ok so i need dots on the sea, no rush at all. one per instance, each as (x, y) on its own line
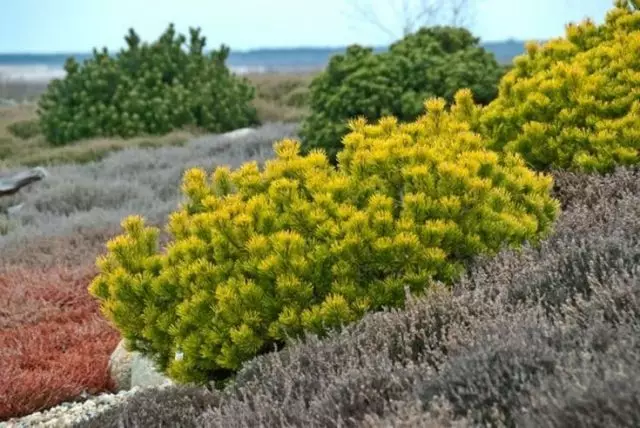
(44, 67)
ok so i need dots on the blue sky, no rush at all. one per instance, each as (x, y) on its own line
(44, 26)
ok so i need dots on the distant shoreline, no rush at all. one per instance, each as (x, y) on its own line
(41, 68)
(21, 74)
(504, 50)
(29, 74)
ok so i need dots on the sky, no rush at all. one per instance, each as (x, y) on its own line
(65, 26)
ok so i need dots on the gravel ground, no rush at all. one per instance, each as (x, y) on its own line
(67, 414)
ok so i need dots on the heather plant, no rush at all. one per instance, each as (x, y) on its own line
(258, 257)
(176, 406)
(500, 350)
(146, 89)
(80, 199)
(52, 341)
(574, 103)
(433, 62)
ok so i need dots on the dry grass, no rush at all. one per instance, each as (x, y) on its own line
(21, 90)
(36, 151)
(279, 98)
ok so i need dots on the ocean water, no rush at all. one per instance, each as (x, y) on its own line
(44, 67)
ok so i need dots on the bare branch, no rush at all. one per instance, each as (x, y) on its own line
(368, 14)
(461, 13)
(413, 14)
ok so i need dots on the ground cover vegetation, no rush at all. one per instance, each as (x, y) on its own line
(55, 343)
(543, 336)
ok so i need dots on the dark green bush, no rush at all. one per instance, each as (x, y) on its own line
(433, 62)
(24, 129)
(147, 89)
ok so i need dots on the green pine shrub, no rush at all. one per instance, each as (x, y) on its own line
(147, 89)
(574, 102)
(433, 62)
(260, 256)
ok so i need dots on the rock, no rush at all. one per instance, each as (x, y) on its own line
(239, 133)
(120, 367)
(144, 373)
(131, 369)
(10, 185)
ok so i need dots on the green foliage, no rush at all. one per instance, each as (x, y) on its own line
(439, 61)
(260, 256)
(25, 129)
(433, 62)
(147, 89)
(574, 103)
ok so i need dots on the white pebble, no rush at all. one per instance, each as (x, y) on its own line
(67, 414)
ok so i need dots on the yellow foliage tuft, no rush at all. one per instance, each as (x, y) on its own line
(574, 102)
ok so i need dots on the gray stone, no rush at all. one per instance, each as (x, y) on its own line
(120, 367)
(131, 369)
(11, 184)
(144, 373)
(239, 133)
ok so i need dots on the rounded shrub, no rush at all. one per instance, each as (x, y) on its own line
(433, 62)
(260, 256)
(574, 102)
(147, 89)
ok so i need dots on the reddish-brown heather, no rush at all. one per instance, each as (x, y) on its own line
(54, 344)
(31, 295)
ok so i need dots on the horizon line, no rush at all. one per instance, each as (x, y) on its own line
(262, 49)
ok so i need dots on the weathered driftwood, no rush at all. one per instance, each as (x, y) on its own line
(11, 184)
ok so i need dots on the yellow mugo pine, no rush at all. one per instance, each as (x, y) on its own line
(261, 255)
(574, 102)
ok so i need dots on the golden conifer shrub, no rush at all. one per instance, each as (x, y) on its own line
(574, 102)
(262, 255)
